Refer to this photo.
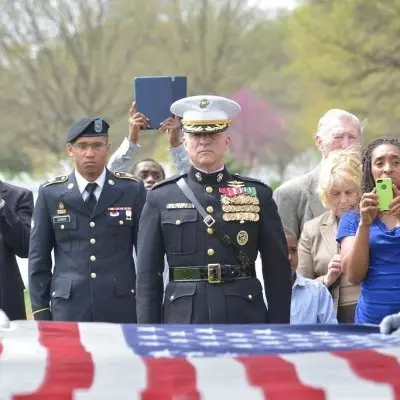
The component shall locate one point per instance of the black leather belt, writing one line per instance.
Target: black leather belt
(212, 273)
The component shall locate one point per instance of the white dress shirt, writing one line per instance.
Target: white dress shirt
(82, 183)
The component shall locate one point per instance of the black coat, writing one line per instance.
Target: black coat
(170, 225)
(94, 272)
(15, 226)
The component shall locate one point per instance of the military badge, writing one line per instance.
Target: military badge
(242, 238)
(204, 103)
(198, 176)
(61, 219)
(219, 177)
(61, 208)
(236, 184)
(116, 211)
(111, 182)
(172, 206)
(70, 185)
(98, 125)
(57, 179)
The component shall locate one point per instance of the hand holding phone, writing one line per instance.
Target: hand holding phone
(384, 192)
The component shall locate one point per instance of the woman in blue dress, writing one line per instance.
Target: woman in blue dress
(370, 238)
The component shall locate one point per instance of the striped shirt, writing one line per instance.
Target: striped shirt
(311, 303)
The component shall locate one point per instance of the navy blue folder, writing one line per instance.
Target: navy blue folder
(155, 94)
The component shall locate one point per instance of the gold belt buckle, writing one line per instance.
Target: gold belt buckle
(214, 273)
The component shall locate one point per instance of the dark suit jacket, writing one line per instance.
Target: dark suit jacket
(15, 226)
(93, 278)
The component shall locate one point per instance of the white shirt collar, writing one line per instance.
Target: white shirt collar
(82, 182)
(211, 172)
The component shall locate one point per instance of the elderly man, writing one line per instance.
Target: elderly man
(90, 218)
(297, 199)
(211, 225)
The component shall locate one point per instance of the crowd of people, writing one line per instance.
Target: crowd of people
(117, 241)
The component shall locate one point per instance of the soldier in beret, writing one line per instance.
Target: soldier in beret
(211, 224)
(90, 219)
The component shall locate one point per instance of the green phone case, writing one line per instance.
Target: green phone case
(384, 191)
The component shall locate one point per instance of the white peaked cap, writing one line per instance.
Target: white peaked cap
(205, 113)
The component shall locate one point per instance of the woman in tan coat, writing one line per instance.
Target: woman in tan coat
(319, 256)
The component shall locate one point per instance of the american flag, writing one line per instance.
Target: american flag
(61, 360)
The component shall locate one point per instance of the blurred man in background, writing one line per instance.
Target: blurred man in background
(297, 199)
(16, 207)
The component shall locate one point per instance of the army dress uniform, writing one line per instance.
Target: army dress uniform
(94, 273)
(210, 280)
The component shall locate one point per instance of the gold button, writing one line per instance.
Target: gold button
(209, 189)
(250, 297)
(178, 222)
(210, 231)
(92, 224)
(62, 227)
(210, 209)
(210, 252)
(92, 258)
(121, 222)
(133, 291)
(93, 275)
(92, 241)
(172, 297)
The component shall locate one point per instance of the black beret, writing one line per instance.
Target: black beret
(87, 126)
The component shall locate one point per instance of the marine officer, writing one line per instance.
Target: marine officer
(211, 225)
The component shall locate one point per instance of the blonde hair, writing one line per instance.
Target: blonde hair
(340, 166)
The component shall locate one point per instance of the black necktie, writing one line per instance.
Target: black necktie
(91, 199)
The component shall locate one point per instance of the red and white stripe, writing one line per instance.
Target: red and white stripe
(23, 360)
(93, 361)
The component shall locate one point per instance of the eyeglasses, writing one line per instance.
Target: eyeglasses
(97, 146)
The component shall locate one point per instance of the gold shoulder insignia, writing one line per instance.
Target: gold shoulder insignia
(56, 179)
(125, 175)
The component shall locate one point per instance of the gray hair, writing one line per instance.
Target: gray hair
(333, 118)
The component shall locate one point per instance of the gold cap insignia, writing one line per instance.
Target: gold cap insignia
(204, 103)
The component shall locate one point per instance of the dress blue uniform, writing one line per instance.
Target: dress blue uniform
(211, 280)
(94, 273)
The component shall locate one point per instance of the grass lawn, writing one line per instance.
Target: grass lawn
(28, 305)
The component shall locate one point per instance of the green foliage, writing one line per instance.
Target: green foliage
(62, 60)
(13, 162)
(346, 56)
(234, 165)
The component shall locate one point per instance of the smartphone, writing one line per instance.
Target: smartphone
(384, 191)
(155, 94)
